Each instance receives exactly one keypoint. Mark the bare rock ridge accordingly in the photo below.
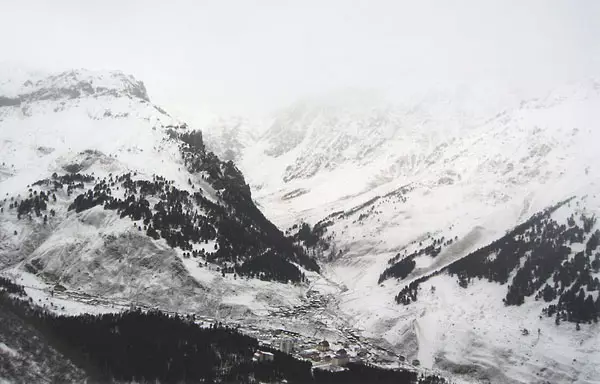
(74, 84)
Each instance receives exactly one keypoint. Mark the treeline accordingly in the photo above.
(508, 251)
(308, 236)
(73, 181)
(409, 293)
(10, 287)
(477, 263)
(311, 239)
(36, 202)
(244, 246)
(401, 265)
(537, 255)
(399, 270)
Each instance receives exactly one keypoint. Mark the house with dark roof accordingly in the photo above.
(341, 358)
(323, 346)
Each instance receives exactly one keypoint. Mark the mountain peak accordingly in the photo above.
(26, 86)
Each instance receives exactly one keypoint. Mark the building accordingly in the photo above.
(341, 358)
(310, 354)
(323, 346)
(285, 344)
(263, 356)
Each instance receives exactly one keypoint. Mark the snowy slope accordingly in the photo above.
(388, 175)
(470, 330)
(103, 124)
(385, 146)
(387, 179)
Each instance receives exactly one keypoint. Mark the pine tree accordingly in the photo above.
(579, 306)
(590, 308)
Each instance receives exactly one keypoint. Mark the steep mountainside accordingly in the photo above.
(412, 197)
(104, 192)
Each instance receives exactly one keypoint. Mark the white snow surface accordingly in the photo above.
(467, 167)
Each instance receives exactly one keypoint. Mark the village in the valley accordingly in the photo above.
(344, 346)
(333, 352)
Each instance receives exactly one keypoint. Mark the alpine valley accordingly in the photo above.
(451, 237)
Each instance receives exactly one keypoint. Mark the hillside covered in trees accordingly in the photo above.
(539, 259)
(246, 243)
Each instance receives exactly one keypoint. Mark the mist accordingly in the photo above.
(224, 57)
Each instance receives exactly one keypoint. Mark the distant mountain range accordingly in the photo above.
(427, 196)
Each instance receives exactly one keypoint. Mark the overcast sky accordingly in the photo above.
(239, 56)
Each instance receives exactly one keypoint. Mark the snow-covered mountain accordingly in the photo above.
(456, 228)
(105, 193)
(230, 137)
(422, 184)
(109, 203)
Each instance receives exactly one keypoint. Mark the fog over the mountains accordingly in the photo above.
(241, 57)
(415, 183)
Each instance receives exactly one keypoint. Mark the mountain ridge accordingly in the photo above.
(83, 144)
(429, 196)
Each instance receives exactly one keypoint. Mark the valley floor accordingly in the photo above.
(441, 330)
(315, 318)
